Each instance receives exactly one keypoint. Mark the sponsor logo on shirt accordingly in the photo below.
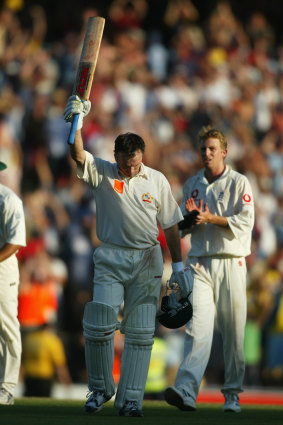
(220, 196)
(146, 197)
(118, 186)
(194, 193)
(247, 198)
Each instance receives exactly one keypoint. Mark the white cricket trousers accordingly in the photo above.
(132, 276)
(10, 345)
(219, 287)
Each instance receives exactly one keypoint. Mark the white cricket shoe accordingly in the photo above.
(130, 408)
(231, 403)
(6, 397)
(95, 401)
(179, 398)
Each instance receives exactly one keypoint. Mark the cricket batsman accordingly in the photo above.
(131, 199)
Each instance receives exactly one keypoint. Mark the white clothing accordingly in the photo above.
(127, 209)
(128, 265)
(10, 345)
(132, 275)
(217, 257)
(219, 283)
(12, 230)
(229, 196)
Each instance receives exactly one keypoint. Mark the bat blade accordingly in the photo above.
(87, 65)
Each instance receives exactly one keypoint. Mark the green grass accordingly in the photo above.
(32, 411)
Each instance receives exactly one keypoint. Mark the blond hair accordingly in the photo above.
(208, 132)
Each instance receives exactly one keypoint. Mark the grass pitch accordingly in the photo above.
(33, 411)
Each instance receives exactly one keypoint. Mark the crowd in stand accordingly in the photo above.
(164, 83)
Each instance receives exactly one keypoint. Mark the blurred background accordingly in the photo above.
(165, 69)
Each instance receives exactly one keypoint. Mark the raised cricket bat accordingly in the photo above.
(87, 65)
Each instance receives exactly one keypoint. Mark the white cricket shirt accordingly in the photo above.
(13, 231)
(127, 209)
(229, 196)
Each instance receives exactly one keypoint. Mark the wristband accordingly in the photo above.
(80, 122)
(178, 267)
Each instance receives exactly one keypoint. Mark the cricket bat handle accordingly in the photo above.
(71, 138)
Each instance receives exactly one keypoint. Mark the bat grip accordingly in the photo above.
(73, 130)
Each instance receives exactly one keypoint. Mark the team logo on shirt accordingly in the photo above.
(220, 196)
(118, 186)
(146, 197)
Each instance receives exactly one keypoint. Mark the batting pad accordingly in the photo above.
(138, 329)
(99, 325)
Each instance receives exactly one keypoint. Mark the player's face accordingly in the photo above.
(130, 167)
(212, 154)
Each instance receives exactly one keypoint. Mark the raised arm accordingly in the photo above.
(76, 106)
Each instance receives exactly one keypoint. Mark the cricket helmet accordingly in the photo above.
(177, 317)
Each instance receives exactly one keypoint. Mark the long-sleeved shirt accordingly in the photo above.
(229, 196)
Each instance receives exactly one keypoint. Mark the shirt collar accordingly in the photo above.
(226, 171)
(143, 171)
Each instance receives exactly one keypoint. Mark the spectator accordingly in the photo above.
(43, 361)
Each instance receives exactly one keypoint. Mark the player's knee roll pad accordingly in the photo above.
(99, 322)
(139, 326)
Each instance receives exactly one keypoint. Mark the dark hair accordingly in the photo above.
(129, 143)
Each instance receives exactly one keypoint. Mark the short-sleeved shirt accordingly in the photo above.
(128, 209)
(229, 196)
(13, 231)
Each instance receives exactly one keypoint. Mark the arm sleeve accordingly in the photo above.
(92, 171)
(242, 222)
(169, 211)
(15, 222)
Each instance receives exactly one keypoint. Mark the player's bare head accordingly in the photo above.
(212, 133)
(129, 149)
(128, 144)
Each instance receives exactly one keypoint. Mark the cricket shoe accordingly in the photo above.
(130, 408)
(231, 403)
(6, 397)
(95, 401)
(179, 398)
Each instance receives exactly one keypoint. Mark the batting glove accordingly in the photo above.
(183, 278)
(76, 106)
